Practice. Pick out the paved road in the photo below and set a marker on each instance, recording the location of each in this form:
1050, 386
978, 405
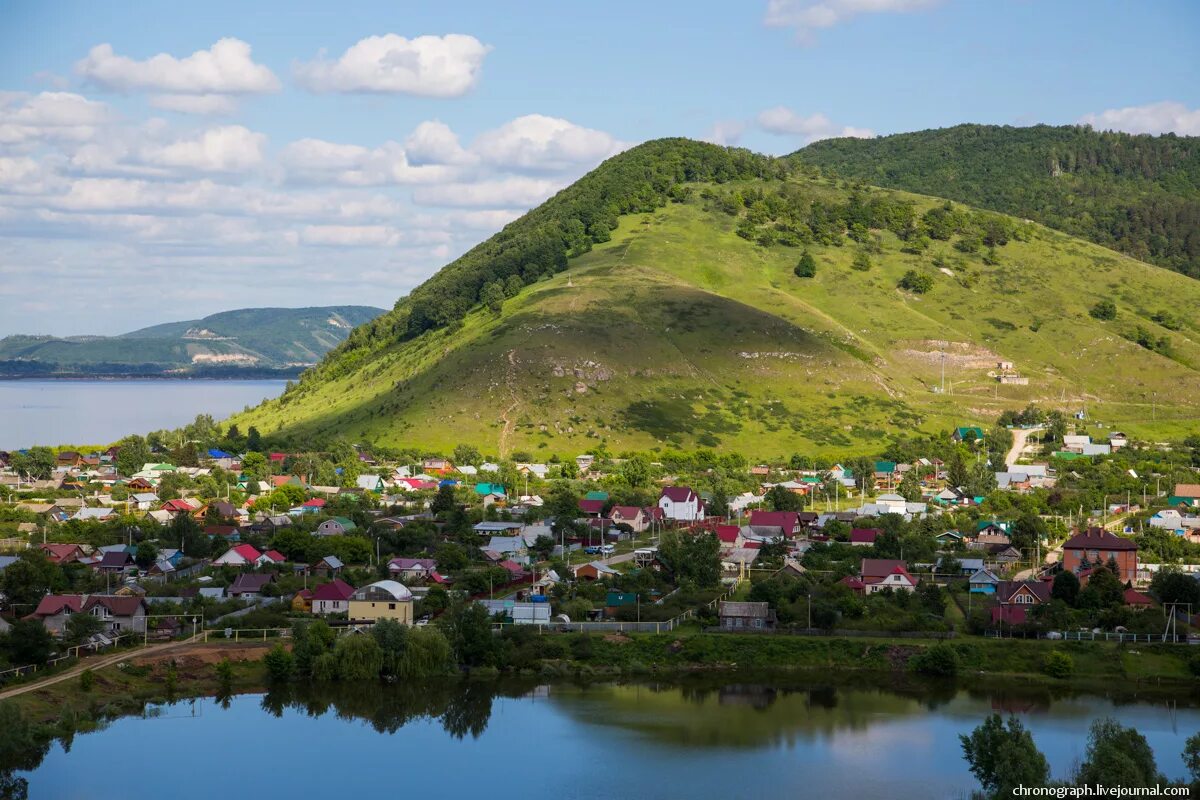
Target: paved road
93, 664
1018, 446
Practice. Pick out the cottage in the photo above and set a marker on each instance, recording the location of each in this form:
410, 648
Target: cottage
681, 504
633, 516
412, 570
384, 599
240, 555
738, 616
369, 483
62, 553
594, 571
332, 598
53, 611
864, 537
327, 567
591, 508
983, 581
898, 580
1096, 546
967, 434
335, 526
119, 614
1013, 598
771, 525
249, 586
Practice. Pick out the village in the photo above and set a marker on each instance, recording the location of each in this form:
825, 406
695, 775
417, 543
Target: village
102, 549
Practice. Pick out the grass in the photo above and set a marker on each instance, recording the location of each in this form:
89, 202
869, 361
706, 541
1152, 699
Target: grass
678, 333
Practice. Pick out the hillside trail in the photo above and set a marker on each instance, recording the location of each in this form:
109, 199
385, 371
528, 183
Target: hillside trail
510, 380
1020, 435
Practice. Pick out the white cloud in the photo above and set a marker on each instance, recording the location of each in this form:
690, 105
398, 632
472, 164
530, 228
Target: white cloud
319, 161
49, 115
809, 16
1163, 117
216, 104
544, 144
225, 149
429, 66
225, 68
507, 192
351, 235
725, 132
784, 121
434, 143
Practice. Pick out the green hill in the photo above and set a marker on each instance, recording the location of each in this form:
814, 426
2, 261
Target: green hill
1139, 195
231, 343
656, 304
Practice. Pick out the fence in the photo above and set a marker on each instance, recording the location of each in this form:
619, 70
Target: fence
245, 634
842, 632
68, 655
1091, 636
619, 627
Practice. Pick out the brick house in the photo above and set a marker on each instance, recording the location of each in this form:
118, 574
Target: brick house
1096, 546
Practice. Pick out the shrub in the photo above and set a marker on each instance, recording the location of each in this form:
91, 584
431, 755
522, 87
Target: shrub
1194, 665
807, 268
941, 660
1058, 665
1105, 310
280, 664
862, 261
915, 282
87, 680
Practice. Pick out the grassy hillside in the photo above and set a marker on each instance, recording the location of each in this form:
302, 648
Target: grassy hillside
689, 327
251, 338
1139, 195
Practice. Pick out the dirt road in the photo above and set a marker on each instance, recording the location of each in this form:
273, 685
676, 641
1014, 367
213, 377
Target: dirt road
93, 663
1020, 435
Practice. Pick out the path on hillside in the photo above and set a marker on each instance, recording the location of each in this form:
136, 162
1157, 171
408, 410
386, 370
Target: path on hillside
1020, 435
510, 379
106, 661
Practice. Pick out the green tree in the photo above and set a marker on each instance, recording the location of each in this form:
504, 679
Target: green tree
807, 266
635, 471
956, 470
468, 630
36, 464
780, 498
133, 453
916, 282
1117, 756
465, 454
145, 555
1028, 530
392, 638
1066, 587
81, 627
443, 501
861, 262
358, 658
30, 578
1103, 590
1003, 757
910, 487
29, 642
281, 664
1191, 757
254, 441
1173, 586
492, 297
691, 558
562, 504
1105, 310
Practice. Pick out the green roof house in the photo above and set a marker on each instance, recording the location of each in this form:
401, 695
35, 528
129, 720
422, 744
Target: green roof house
485, 489
967, 434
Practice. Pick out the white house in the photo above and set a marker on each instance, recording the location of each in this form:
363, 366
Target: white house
681, 504
898, 580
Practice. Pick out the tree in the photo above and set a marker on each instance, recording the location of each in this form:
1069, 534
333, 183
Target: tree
392, 638
1191, 756
468, 629
443, 501
807, 267
281, 664
956, 470
1104, 589
29, 642
562, 504
1105, 310
467, 454
1117, 756
635, 471
916, 282
30, 578
492, 297
35, 464
781, 499
254, 467
133, 453
692, 558
1066, 587
1004, 756
254, 440
861, 262
1173, 586
1028, 530
910, 487
358, 658
81, 627
145, 555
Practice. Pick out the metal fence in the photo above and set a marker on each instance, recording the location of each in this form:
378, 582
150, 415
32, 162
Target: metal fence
613, 626
69, 654
1090, 636
244, 634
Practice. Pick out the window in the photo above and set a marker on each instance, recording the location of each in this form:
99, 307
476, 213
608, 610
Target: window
391, 606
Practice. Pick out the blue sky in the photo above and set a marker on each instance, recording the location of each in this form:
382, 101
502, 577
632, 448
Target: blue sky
160, 161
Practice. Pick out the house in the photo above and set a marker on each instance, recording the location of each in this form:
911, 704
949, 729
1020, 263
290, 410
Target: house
384, 599
97, 514
438, 466
62, 553
249, 585
540, 471
332, 598
772, 525
983, 581
53, 611
1013, 598
1096, 546
634, 517
879, 567
271, 557
515, 570
335, 526
369, 483
302, 601
494, 528
511, 546
1137, 600
738, 616
1000, 555
412, 570
228, 532
240, 555
119, 614
1185, 494
854, 583
898, 580
730, 537
327, 567
864, 537
591, 508
115, 561
681, 504
948, 538
142, 501
967, 434
594, 571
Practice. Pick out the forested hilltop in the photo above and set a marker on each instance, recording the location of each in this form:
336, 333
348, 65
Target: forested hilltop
1139, 195
689, 295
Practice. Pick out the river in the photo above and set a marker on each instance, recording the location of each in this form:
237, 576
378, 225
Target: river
697, 740
100, 412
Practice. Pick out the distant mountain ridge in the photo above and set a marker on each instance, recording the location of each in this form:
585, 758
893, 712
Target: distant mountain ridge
248, 342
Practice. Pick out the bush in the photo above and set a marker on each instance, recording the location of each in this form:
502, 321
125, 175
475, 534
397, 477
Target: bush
280, 664
941, 660
87, 680
1194, 665
1058, 665
915, 282
807, 268
1105, 310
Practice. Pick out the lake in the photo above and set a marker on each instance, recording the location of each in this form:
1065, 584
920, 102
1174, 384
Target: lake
699, 739
100, 412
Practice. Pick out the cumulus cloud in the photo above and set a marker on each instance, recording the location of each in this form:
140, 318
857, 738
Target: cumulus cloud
319, 161
224, 68
216, 104
434, 143
225, 149
509, 192
725, 132
1162, 117
49, 115
428, 66
808, 16
351, 235
784, 121
544, 144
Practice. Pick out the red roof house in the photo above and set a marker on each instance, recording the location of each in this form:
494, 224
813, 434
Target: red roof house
864, 537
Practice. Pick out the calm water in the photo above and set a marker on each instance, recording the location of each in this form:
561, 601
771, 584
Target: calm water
579, 743
99, 412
